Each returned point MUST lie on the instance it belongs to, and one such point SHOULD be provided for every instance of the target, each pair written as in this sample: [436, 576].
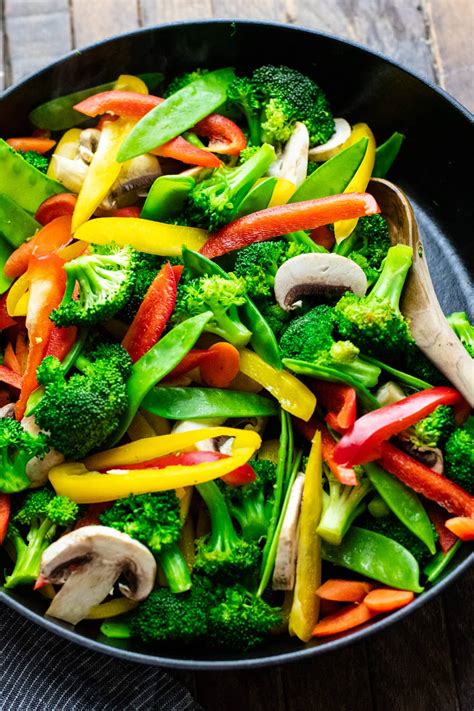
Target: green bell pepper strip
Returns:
[58, 114]
[166, 197]
[439, 562]
[386, 153]
[258, 198]
[16, 225]
[23, 183]
[5, 251]
[404, 503]
[263, 339]
[333, 176]
[177, 113]
[175, 403]
[156, 363]
[375, 556]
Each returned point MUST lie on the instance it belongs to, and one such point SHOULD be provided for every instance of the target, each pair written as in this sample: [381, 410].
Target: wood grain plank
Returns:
[93, 21]
[38, 32]
[459, 611]
[452, 46]
[155, 11]
[257, 690]
[251, 9]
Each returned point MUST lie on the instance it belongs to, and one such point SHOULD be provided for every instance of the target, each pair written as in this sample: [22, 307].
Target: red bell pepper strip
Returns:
[177, 271]
[362, 443]
[153, 314]
[91, 516]
[427, 482]
[125, 212]
[224, 135]
[47, 280]
[438, 517]
[53, 236]
[38, 144]
[41, 133]
[280, 220]
[180, 149]
[345, 475]
[10, 360]
[340, 401]
[4, 515]
[55, 206]
[324, 237]
[5, 320]
[462, 527]
[9, 377]
[61, 340]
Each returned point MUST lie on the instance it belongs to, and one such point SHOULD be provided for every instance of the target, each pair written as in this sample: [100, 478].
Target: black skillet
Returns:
[362, 86]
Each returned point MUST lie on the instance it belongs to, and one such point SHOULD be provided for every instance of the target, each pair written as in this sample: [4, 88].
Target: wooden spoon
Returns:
[432, 333]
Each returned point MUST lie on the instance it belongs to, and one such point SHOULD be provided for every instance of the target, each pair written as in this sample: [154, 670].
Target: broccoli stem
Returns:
[230, 327]
[174, 568]
[389, 285]
[340, 507]
[241, 179]
[13, 473]
[28, 560]
[251, 516]
[223, 535]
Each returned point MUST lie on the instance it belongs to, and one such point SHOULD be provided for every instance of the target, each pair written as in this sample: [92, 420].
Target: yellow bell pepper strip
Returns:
[283, 191]
[361, 179]
[67, 147]
[144, 235]
[112, 608]
[128, 82]
[18, 297]
[291, 393]
[103, 170]
[84, 484]
[187, 543]
[305, 609]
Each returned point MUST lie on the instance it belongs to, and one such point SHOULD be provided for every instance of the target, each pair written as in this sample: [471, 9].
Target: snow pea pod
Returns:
[404, 503]
[258, 198]
[386, 154]
[439, 562]
[166, 197]
[263, 339]
[176, 403]
[16, 225]
[376, 557]
[179, 112]
[5, 251]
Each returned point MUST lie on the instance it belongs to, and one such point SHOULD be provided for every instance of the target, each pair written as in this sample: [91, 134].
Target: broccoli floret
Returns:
[80, 413]
[433, 430]
[240, 620]
[459, 456]
[214, 202]
[368, 245]
[341, 505]
[164, 615]
[287, 96]
[251, 505]
[183, 80]
[312, 167]
[391, 527]
[42, 513]
[310, 338]
[220, 295]
[112, 353]
[243, 95]
[464, 330]
[247, 153]
[154, 519]
[258, 264]
[223, 554]
[35, 159]
[105, 283]
[17, 448]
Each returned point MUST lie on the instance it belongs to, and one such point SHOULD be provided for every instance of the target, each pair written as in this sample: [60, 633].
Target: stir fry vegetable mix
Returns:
[208, 389]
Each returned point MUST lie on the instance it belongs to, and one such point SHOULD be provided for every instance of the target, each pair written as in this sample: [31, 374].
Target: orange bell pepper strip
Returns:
[53, 236]
[276, 221]
[4, 515]
[341, 402]
[9, 377]
[47, 280]
[61, 340]
[10, 360]
[153, 314]
[21, 351]
[224, 135]
[55, 206]
[462, 527]
[38, 144]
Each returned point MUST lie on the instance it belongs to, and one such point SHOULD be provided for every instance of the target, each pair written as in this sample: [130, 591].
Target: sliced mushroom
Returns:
[134, 180]
[284, 573]
[88, 142]
[322, 274]
[341, 133]
[8, 411]
[37, 469]
[88, 562]
[431, 457]
[292, 164]
[389, 393]
[70, 172]
[206, 445]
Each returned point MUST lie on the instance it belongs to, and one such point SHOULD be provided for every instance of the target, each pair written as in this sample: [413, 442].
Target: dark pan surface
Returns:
[362, 86]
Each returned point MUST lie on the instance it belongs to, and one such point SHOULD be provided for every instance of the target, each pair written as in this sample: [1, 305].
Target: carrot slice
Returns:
[344, 590]
[347, 618]
[388, 599]
[222, 366]
[462, 527]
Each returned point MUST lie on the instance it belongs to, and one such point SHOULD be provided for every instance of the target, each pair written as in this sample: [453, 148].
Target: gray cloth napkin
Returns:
[42, 672]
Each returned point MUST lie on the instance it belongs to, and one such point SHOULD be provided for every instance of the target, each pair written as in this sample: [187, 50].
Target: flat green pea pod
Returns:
[376, 557]
[5, 251]
[156, 363]
[333, 176]
[404, 503]
[16, 225]
[386, 153]
[166, 197]
[179, 112]
[439, 562]
[258, 198]
[23, 183]
[263, 339]
[174, 403]
[58, 114]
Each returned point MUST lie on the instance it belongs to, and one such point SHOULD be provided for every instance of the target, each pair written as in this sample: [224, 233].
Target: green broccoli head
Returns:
[105, 282]
[433, 430]
[242, 94]
[112, 354]
[463, 329]
[17, 448]
[287, 96]
[459, 456]
[251, 505]
[35, 159]
[182, 80]
[391, 527]
[368, 245]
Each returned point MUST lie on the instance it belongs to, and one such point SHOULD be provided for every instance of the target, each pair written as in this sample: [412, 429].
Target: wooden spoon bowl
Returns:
[432, 333]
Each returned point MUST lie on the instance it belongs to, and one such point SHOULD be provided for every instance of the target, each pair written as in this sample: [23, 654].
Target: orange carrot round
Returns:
[387, 599]
[344, 590]
[222, 366]
[462, 527]
[347, 618]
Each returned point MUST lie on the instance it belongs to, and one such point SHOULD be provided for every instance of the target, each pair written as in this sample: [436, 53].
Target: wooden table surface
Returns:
[425, 663]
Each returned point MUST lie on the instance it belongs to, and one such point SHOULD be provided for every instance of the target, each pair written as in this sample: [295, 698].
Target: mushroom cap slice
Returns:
[88, 562]
[342, 131]
[136, 177]
[284, 574]
[292, 164]
[324, 274]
